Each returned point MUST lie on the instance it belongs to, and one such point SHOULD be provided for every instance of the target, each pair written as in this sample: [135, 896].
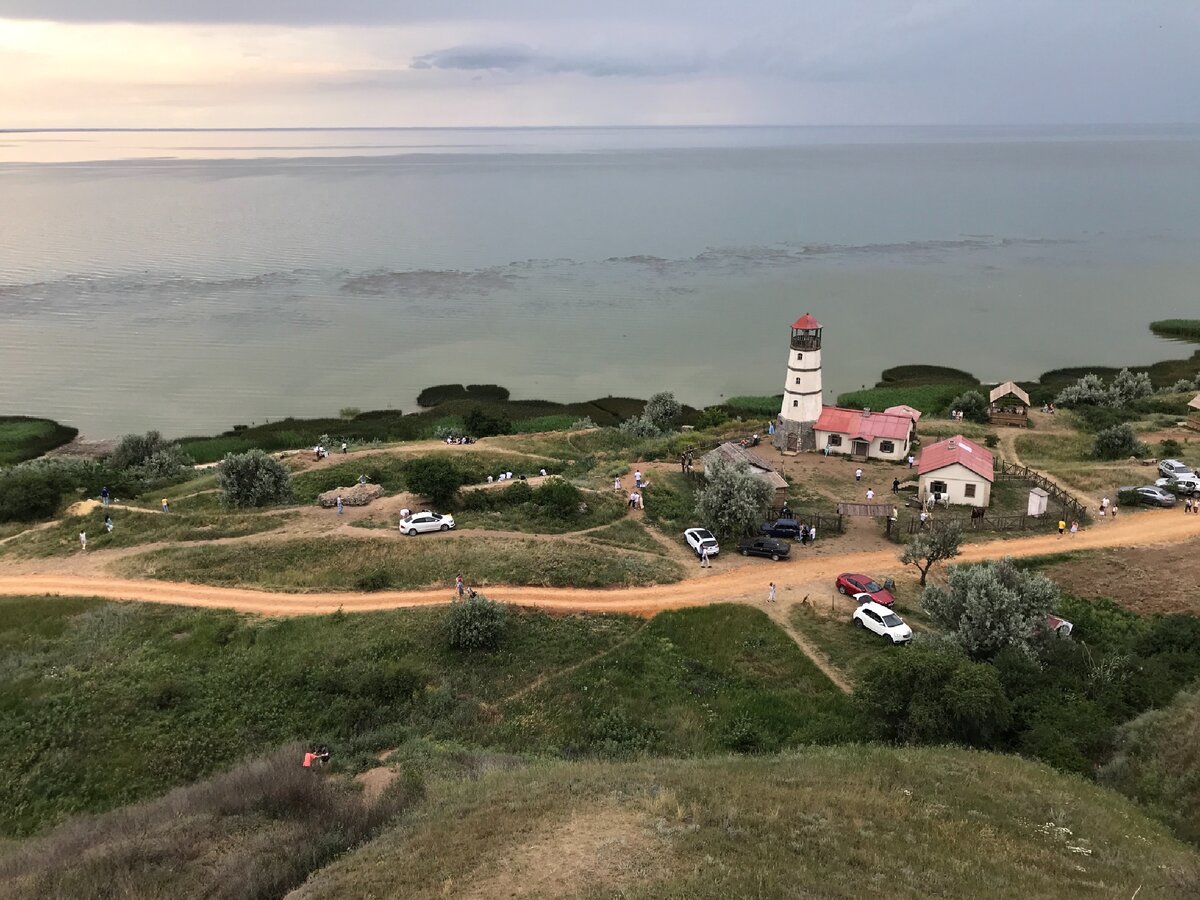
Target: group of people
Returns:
[686, 459]
[459, 439]
[1190, 505]
[1107, 508]
[462, 590]
[1048, 408]
[1062, 527]
[314, 759]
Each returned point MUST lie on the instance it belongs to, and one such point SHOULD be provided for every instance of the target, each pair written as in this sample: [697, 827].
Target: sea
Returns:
[192, 280]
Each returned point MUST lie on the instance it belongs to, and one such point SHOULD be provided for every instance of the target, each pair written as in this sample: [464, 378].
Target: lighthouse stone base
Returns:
[794, 436]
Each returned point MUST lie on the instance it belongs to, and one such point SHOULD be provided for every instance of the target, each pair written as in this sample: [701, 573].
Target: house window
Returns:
[835, 440]
[938, 487]
[887, 447]
[968, 490]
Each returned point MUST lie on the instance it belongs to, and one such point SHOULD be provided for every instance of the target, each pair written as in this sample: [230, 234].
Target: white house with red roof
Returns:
[863, 434]
[956, 470]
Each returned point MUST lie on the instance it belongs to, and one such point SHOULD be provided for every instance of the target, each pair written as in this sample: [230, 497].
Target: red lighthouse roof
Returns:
[806, 322]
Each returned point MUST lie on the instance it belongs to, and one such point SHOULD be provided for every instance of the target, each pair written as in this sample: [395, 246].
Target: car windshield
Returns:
[891, 620]
[871, 587]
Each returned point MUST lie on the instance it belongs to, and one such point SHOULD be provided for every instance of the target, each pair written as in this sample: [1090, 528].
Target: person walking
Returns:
[911, 460]
[812, 535]
[108, 524]
[637, 478]
[633, 499]
[345, 448]
[104, 495]
[617, 484]
[771, 592]
[460, 586]
[895, 485]
[704, 561]
[858, 474]
[1074, 527]
[803, 535]
[1113, 511]
[83, 540]
[1062, 527]
[166, 507]
[340, 505]
[870, 494]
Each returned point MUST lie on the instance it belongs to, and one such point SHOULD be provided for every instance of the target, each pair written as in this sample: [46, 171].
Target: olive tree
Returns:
[475, 624]
[933, 546]
[662, 409]
[733, 500]
[991, 607]
[150, 456]
[253, 479]
[1118, 442]
[1129, 386]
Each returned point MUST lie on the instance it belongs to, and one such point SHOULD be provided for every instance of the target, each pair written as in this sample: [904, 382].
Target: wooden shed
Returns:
[1193, 419]
[1008, 405]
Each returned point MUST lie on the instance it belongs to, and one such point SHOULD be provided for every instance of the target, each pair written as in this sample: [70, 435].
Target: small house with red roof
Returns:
[862, 434]
[957, 471]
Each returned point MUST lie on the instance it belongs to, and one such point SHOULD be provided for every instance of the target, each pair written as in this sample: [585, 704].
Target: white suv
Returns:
[1188, 483]
[882, 621]
[1169, 467]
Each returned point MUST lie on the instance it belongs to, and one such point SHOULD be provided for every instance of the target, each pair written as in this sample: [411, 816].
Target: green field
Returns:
[424, 561]
[928, 398]
[1183, 329]
[23, 438]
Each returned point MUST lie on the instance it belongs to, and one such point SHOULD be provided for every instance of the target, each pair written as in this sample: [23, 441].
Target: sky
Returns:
[297, 63]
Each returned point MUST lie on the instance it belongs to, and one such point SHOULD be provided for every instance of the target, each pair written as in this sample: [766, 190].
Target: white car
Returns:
[882, 621]
[1169, 467]
[699, 539]
[425, 521]
[1187, 484]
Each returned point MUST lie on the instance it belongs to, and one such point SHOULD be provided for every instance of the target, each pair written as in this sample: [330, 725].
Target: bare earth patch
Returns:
[595, 848]
[1134, 577]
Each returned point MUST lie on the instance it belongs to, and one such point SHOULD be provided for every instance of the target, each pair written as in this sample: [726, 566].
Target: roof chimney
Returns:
[950, 445]
[866, 411]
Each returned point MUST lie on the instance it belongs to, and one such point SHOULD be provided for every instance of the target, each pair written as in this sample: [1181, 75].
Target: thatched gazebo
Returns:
[1008, 405]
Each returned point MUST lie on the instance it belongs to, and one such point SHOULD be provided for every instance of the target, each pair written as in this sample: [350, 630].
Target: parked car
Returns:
[1188, 483]
[1169, 467]
[700, 538]
[780, 528]
[425, 521]
[1153, 495]
[1058, 625]
[771, 547]
[880, 620]
[849, 583]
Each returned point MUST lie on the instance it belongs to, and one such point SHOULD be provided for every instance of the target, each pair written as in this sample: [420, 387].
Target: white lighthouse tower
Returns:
[802, 390]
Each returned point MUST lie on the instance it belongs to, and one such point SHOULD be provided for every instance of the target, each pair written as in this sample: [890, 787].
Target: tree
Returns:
[253, 479]
[973, 405]
[435, 477]
[478, 422]
[1087, 391]
[662, 409]
[150, 454]
[1118, 442]
[991, 607]
[558, 497]
[640, 427]
[475, 624]
[931, 695]
[933, 546]
[1129, 386]
[733, 499]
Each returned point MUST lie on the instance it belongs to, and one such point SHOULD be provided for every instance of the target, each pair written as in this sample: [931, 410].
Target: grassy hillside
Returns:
[844, 822]
[103, 704]
[23, 438]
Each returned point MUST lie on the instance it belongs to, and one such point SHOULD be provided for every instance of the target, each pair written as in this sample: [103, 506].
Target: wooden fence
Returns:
[1071, 508]
[825, 523]
[987, 522]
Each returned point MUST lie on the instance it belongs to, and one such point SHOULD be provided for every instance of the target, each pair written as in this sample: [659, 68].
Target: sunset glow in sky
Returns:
[215, 63]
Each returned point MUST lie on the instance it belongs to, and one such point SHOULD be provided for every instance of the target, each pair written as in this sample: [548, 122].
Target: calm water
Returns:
[191, 280]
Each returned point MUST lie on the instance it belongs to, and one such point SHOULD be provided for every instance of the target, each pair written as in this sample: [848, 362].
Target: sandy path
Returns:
[745, 582]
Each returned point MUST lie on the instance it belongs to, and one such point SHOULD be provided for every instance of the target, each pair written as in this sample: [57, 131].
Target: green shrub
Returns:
[435, 477]
[151, 453]
[378, 580]
[475, 624]
[22, 438]
[478, 422]
[991, 440]
[973, 406]
[1185, 329]
[557, 497]
[1170, 447]
[253, 479]
[1118, 442]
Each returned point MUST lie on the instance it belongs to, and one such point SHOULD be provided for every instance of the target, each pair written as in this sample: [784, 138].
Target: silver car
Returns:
[1153, 495]
[425, 521]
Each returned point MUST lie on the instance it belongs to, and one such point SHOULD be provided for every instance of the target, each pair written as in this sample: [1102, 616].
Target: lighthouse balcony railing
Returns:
[806, 342]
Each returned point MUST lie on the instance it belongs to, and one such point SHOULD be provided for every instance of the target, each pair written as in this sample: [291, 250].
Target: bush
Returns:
[640, 427]
[662, 409]
[478, 422]
[475, 624]
[584, 424]
[991, 607]
[973, 405]
[930, 695]
[733, 500]
[712, 416]
[1170, 447]
[27, 495]
[158, 457]
[435, 477]
[558, 497]
[379, 580]
[1118, 442]
[991, 440]
[253, 479]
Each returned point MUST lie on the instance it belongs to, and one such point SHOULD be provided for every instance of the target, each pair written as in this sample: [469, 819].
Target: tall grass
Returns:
[1184, 329]
[254, 832]
[23, 438]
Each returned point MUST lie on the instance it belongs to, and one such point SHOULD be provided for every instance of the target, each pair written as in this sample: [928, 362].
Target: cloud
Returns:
[520, 59]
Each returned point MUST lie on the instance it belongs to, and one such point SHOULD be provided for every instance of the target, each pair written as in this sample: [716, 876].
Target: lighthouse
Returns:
[802, 390]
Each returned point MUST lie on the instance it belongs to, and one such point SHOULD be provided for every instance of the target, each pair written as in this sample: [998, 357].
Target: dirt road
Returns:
[745, 582]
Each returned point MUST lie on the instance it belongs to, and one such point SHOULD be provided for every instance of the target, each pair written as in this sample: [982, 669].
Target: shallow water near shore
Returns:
[188, 281]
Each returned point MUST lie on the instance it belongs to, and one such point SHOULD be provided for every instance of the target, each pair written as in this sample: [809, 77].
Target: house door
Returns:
[793, 441]
[860, 448]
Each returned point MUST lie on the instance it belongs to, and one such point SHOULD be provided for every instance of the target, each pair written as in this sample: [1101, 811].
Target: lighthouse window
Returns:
[797, 379]
[799, 356]
[795, 403]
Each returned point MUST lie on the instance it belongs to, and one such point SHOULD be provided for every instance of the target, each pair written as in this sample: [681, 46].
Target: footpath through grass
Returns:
[842, 822]
[103, 704]
[425, 561]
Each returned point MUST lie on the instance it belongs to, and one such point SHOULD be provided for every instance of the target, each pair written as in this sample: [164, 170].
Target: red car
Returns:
[848, 583]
